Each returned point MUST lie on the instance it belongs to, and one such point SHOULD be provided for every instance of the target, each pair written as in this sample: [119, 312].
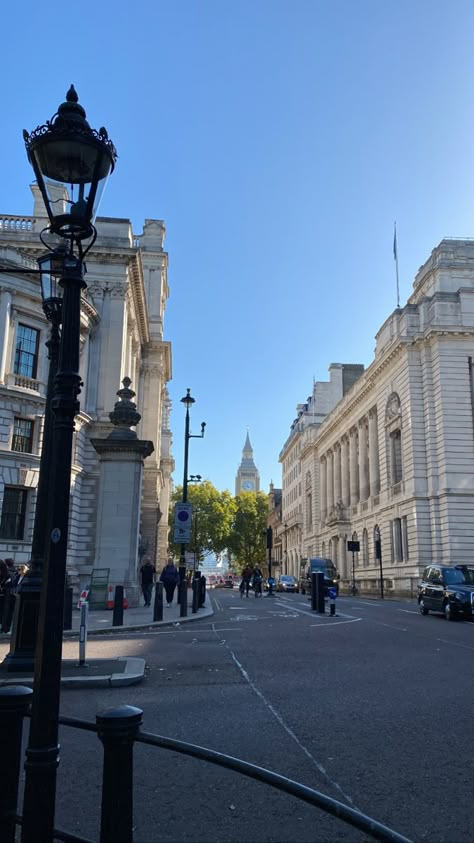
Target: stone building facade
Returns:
[395, 456]
[122, 314]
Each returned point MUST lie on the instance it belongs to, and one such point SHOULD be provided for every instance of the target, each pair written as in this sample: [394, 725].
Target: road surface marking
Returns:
[408, 611]
[455, 644]
[289, 731]
[335, 623]
[390, 626]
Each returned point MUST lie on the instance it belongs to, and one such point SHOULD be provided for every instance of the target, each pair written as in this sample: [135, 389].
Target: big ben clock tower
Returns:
[248, 478]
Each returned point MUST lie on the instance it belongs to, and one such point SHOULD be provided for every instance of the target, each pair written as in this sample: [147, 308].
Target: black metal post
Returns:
[158, 604]
[196, 589]
[67, 622]
[25, 622]
[182, 589]
[378, 555]
[353, 573]
[319, 583]
[202, 591]
[14, 703]
[117, 729]
[269, 548]
[42, 754]
[117, 617]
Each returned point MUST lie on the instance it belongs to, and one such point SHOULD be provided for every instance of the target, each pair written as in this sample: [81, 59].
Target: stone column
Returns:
[5, 315]
[363, 459]
[354, 466]
[330, 480]
[337, 473]
[345, 471]
[374, 454]
[119, 500]
[322, 491]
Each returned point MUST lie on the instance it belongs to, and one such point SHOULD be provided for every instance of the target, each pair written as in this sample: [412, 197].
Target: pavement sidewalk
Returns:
[108, 672]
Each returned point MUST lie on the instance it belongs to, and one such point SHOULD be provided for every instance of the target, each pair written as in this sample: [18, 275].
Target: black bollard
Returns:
[14, 703]
[196, 587]
[67, 620]
[8, 609]
[183, 598]
[158, 604]
[320, 593]
[202, 591]
[117, 729]
[117, 619]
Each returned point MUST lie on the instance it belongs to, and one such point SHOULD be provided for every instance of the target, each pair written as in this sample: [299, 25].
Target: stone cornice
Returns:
[143, 447]
[137, 287]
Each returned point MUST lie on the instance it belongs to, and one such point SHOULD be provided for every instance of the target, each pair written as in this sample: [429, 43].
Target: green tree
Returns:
[247, 540]
[213, 514]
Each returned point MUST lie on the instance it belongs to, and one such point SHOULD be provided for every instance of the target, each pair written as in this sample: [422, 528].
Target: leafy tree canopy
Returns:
[247, 539]
[213, 514]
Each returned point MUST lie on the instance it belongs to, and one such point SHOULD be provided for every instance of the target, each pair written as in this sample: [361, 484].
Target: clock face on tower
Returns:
[248, 486]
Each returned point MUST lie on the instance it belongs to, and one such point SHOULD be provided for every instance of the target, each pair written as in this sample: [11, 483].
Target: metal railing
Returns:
[119, 729]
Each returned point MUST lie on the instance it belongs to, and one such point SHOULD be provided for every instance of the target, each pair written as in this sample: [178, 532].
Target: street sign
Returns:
[182, 523]
[332, 593]
[354, 546]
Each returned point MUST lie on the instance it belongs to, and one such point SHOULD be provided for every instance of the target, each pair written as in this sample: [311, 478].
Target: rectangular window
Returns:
[12, 524]
[405, 537]
[26, 351]
[22, 435]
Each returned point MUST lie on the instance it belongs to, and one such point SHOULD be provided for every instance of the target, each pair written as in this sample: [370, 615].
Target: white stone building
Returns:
[396, 454]
[121, 336]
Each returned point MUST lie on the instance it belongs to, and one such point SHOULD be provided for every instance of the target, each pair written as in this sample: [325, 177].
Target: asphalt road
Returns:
[372, 707]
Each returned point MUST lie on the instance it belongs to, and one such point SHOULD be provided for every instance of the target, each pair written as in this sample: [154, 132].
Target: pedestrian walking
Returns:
[245, 582]
[170, 578]
[147, 577]
[257, 581]
[22, 572]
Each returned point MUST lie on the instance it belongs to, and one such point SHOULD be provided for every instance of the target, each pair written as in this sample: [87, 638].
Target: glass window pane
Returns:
[12, 523]
[22, 435]
[26, 352]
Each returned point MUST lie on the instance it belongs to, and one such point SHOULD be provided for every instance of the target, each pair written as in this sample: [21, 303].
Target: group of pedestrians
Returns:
[11, 577]
[169, 577]
[251, 577]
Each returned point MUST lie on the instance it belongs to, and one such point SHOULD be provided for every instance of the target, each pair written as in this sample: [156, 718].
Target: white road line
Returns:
[335, 623]
[390, 626]
[455, 644]
[288, 730]
[408, 611]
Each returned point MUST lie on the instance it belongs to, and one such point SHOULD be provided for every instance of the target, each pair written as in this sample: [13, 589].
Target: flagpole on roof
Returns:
[395, 255]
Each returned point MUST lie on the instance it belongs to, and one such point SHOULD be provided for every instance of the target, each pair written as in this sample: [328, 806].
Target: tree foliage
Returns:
[213, 514]
[247, 541]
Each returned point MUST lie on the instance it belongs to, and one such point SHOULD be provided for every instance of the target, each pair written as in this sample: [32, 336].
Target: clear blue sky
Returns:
[279, 142]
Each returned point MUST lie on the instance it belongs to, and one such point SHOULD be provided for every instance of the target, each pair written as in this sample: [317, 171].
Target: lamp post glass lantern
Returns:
[71, 162]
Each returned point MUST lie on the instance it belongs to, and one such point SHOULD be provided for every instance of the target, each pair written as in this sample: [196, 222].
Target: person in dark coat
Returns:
[170, 578]
[147, 576]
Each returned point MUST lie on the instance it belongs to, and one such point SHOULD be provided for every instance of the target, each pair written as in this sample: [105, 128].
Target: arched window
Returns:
[365, 548]
[393, 429]
[330, 548]
[323, 549]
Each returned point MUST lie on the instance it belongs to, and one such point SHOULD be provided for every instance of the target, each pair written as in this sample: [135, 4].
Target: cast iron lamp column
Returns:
[72, 163]
[188, 401]
[25, 622]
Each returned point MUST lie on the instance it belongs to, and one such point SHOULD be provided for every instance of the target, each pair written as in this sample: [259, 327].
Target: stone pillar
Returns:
[5, 315]
[330, 480]
[354, 466]
[121, 457]
[337, 473]
[374, 454]
[363, 461]
[345, 471]
[323, 493]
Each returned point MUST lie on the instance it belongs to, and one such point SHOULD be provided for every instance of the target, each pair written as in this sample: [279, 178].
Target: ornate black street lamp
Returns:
[72, 163]
[378, 555]
[188, 401]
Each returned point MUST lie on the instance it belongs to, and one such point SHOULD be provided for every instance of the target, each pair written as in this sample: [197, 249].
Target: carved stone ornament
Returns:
[125, 414]
[393, 406]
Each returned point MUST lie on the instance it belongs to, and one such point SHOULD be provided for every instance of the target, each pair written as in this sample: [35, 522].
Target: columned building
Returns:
[395, 457]
[122, 312]
[300, 467]
[248, 478]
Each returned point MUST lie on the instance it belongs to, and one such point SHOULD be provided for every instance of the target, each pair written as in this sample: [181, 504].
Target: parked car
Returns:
[319, 565]
[286, 582]
[229, 582]
[448, 589]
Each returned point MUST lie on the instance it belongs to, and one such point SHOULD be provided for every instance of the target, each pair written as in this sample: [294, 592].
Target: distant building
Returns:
[122, 313]
[248, 478]
[395, 456]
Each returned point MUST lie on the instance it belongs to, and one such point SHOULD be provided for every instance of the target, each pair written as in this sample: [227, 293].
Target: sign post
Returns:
[182, 523]
[355, 548]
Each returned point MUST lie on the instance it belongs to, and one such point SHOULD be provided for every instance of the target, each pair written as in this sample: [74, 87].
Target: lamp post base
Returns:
[21, 657]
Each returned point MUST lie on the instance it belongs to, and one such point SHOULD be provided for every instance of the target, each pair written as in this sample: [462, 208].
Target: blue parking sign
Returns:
[332, 593]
